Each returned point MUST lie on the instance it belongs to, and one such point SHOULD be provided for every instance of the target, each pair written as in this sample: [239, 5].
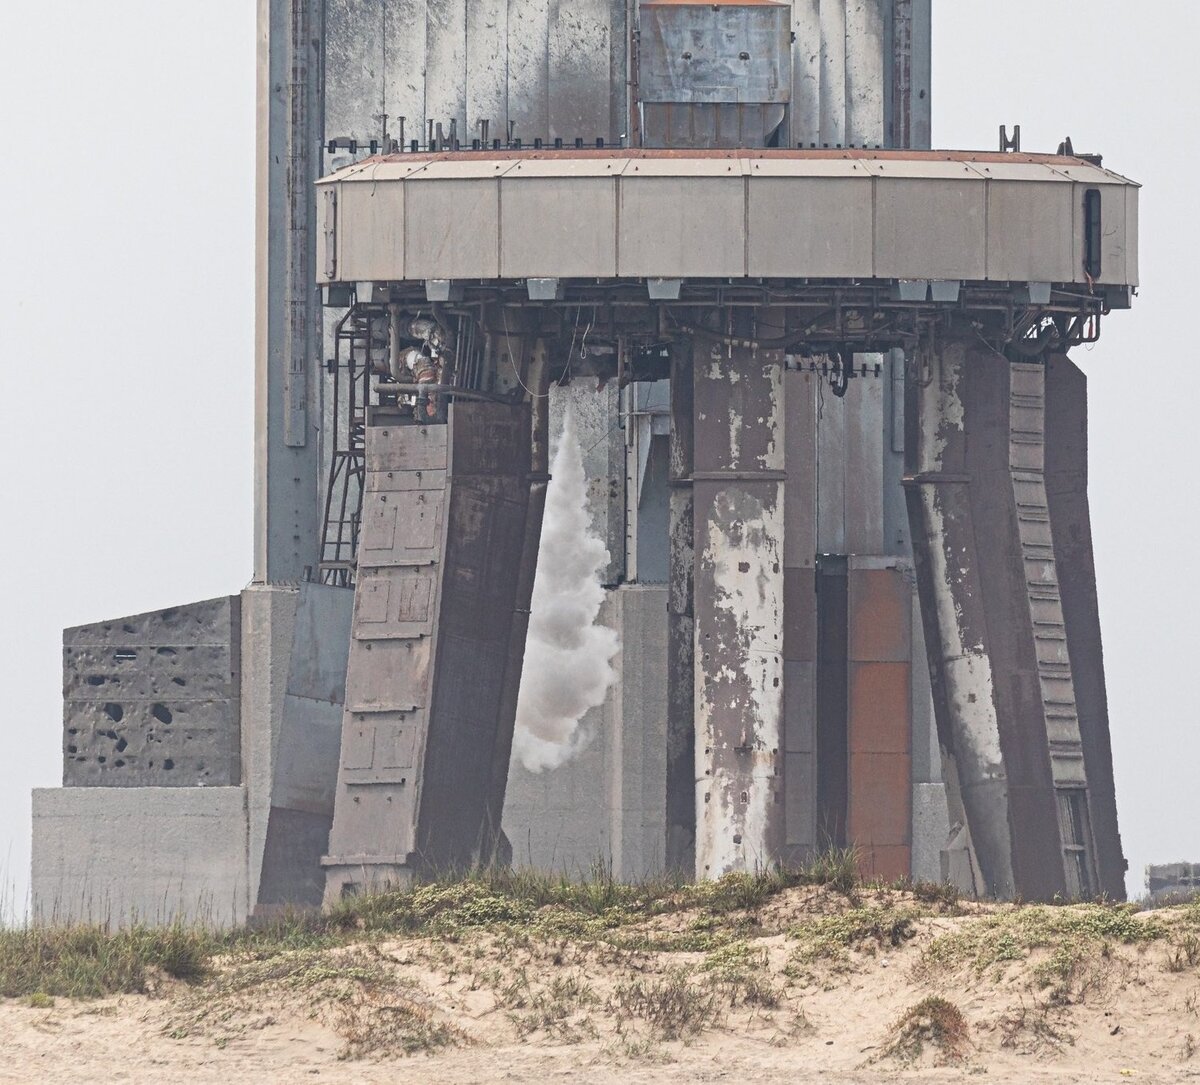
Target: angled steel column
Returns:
[681, 623]
[287, 395]
[995, 628]
[739, 589]
[1067, 491]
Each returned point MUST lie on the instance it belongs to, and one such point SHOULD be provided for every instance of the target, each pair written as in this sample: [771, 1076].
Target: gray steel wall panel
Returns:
[831, 474]
[1026, 241]
[446, 65]
[865, 48]
[373, 233]
[529, 68]
[800, 436]
[806, 72]
[405, 91]
[862, 458]
[355, 38]
[682, 226]
[487, 78]
[581, 243]
[436, 245]
[1114, 250]
[833, 72]
[930, 229]
[810, 227]
[579, 70]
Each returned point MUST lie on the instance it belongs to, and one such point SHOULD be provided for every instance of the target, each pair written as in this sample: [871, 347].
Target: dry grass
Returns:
[932, 1022]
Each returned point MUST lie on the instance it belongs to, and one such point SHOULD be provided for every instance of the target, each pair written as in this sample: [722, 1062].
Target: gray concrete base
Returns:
[930, 831]
[140, 855]
[607, 805]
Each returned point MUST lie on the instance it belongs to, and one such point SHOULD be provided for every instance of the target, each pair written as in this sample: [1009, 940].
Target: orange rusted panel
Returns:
[885, 864]
[880, 800]
[880, 708]
[880, 615]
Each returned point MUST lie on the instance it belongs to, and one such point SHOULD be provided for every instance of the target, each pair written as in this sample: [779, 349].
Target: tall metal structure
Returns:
[846, 442]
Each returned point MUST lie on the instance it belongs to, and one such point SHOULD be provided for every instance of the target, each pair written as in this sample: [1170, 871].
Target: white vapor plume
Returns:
[568, 657]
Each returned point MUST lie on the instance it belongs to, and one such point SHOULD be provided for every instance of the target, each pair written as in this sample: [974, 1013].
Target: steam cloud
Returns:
[568, 667]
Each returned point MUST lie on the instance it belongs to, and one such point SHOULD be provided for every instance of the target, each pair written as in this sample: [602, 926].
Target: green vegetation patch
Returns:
[829, 938]
[90, 962]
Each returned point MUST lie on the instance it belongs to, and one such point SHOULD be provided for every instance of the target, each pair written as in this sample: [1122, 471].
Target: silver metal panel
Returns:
[930, 229]
[404, 67]
[800, 391]
[810, 227]
[487, 77]
[806, 72]
[355, 35]
[579, 241]
[1132, 265]
[327, 197]
[529, 68]
[370, 236]
[863, 459]
[714, 53]
[831, 474]
[1026, 241]
[578, 79]
[1113, 249]
[682, 226]
[446, 65]
[864, 87]
[437, 246]
[833, 72]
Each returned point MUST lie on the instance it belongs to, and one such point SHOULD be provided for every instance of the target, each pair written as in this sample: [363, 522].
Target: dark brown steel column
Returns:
[1067, 490]
[681, 624]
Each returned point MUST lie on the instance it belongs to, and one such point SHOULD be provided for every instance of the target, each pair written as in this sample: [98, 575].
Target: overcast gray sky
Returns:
[126, 342]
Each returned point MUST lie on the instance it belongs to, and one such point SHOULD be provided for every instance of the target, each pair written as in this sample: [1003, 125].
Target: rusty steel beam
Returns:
[739, 586]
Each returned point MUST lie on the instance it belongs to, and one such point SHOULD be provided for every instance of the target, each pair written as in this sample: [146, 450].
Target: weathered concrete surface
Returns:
[147, 854]
[305, 766]
[739, 588]
[608, 804]
[152, 700]
[268, 624]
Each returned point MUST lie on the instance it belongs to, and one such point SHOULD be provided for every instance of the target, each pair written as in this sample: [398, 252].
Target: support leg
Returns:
[739, 588]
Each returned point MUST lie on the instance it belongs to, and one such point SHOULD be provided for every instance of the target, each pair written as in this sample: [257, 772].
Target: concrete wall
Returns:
[148, 854]
[153, 700]
[609, 803]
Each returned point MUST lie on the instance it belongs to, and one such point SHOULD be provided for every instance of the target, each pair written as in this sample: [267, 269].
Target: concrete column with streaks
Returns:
[681, 622]
[739, 587]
